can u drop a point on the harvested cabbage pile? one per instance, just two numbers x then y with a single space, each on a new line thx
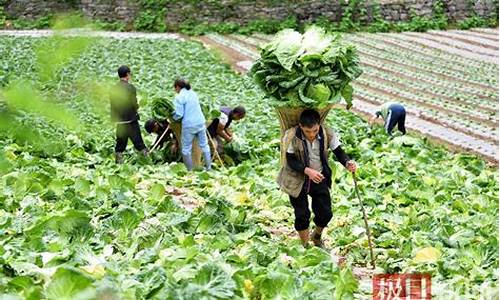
312 69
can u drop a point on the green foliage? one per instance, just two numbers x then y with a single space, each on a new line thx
151 17
349 21
40 23
67 283
439 15
150 20
313 69
110 26
74 225
267 26
472 22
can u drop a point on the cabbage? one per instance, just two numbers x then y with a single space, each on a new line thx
309 70
319 92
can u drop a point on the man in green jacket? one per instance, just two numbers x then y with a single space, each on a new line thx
306 172
123 100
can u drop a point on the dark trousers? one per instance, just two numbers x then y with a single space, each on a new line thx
397 116
321 205
129 131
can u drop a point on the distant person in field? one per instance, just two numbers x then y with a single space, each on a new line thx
123 98
159 128
306 172
393 113
219 128
187 108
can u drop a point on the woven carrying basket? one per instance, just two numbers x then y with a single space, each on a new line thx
289 117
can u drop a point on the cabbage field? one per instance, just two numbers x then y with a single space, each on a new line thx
74 225
447 80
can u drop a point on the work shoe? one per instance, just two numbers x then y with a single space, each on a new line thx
316 239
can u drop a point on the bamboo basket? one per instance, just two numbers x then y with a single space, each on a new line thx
289 117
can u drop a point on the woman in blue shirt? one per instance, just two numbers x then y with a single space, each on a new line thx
187 108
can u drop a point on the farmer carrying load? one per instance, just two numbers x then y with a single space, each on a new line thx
306 172
124 108
187 108
219 127
392 113
303 76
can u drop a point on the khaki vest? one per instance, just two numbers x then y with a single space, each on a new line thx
290 181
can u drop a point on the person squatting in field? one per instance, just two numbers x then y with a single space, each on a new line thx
124 107
392 113
162 138
187 108
306 172
219 127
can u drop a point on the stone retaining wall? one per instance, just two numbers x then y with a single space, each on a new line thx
243 11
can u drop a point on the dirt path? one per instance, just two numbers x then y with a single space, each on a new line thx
228 55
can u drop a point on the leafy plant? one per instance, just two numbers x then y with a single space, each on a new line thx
75 225
312 69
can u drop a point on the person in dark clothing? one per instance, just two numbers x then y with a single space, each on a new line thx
306 172
393 113
123 98
219 128
159 127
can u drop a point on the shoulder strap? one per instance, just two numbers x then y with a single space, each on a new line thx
285 143
326 139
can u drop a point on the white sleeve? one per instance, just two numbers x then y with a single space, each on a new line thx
223 119
335 142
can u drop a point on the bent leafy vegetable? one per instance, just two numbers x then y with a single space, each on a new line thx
314 65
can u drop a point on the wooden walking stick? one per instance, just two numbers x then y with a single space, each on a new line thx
215 150
368 233
158 142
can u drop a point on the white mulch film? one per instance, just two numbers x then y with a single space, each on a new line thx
108 34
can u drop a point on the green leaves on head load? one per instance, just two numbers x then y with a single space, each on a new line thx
162 109
312 69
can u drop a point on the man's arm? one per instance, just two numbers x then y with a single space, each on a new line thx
298 166
133 97
339 152
179 109
376 116
222 132
294 163
341 155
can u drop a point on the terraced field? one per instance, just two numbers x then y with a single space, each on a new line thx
448 80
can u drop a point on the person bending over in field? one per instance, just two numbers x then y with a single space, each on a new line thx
392 113
187 108
123 98
162 138
219 128
306 172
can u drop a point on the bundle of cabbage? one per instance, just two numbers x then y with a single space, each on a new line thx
163 109
307 70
